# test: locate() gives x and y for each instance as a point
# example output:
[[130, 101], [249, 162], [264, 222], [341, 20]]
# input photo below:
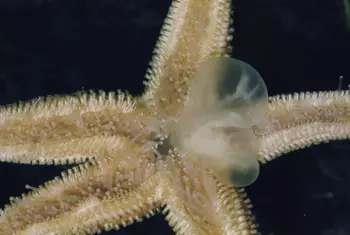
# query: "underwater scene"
[[298, 184]]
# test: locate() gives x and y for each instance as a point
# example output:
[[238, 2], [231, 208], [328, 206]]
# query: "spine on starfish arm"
[[194, 31], [299, 120], [64, 129]]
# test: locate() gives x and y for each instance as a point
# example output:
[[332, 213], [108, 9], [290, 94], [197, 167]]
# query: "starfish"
[[126, 168]]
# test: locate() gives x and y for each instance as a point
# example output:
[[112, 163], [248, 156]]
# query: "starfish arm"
[[192, 33], [121, 166], [234, 209], [61, 129], [94, 214], [198, 203], [189, 206], [297, 121]]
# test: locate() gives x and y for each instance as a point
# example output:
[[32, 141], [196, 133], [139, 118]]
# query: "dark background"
[[60, 46]]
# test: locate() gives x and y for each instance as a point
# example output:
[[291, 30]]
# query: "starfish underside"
[[121, 173]]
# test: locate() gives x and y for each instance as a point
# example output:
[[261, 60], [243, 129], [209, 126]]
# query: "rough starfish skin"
[[120, 175]]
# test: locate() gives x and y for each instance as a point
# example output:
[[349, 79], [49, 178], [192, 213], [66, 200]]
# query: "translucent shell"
[[227, 98]]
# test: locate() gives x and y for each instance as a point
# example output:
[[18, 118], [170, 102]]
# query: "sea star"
[[122, 174]]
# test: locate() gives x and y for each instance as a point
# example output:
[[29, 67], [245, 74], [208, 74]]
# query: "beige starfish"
[[125, 169]]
